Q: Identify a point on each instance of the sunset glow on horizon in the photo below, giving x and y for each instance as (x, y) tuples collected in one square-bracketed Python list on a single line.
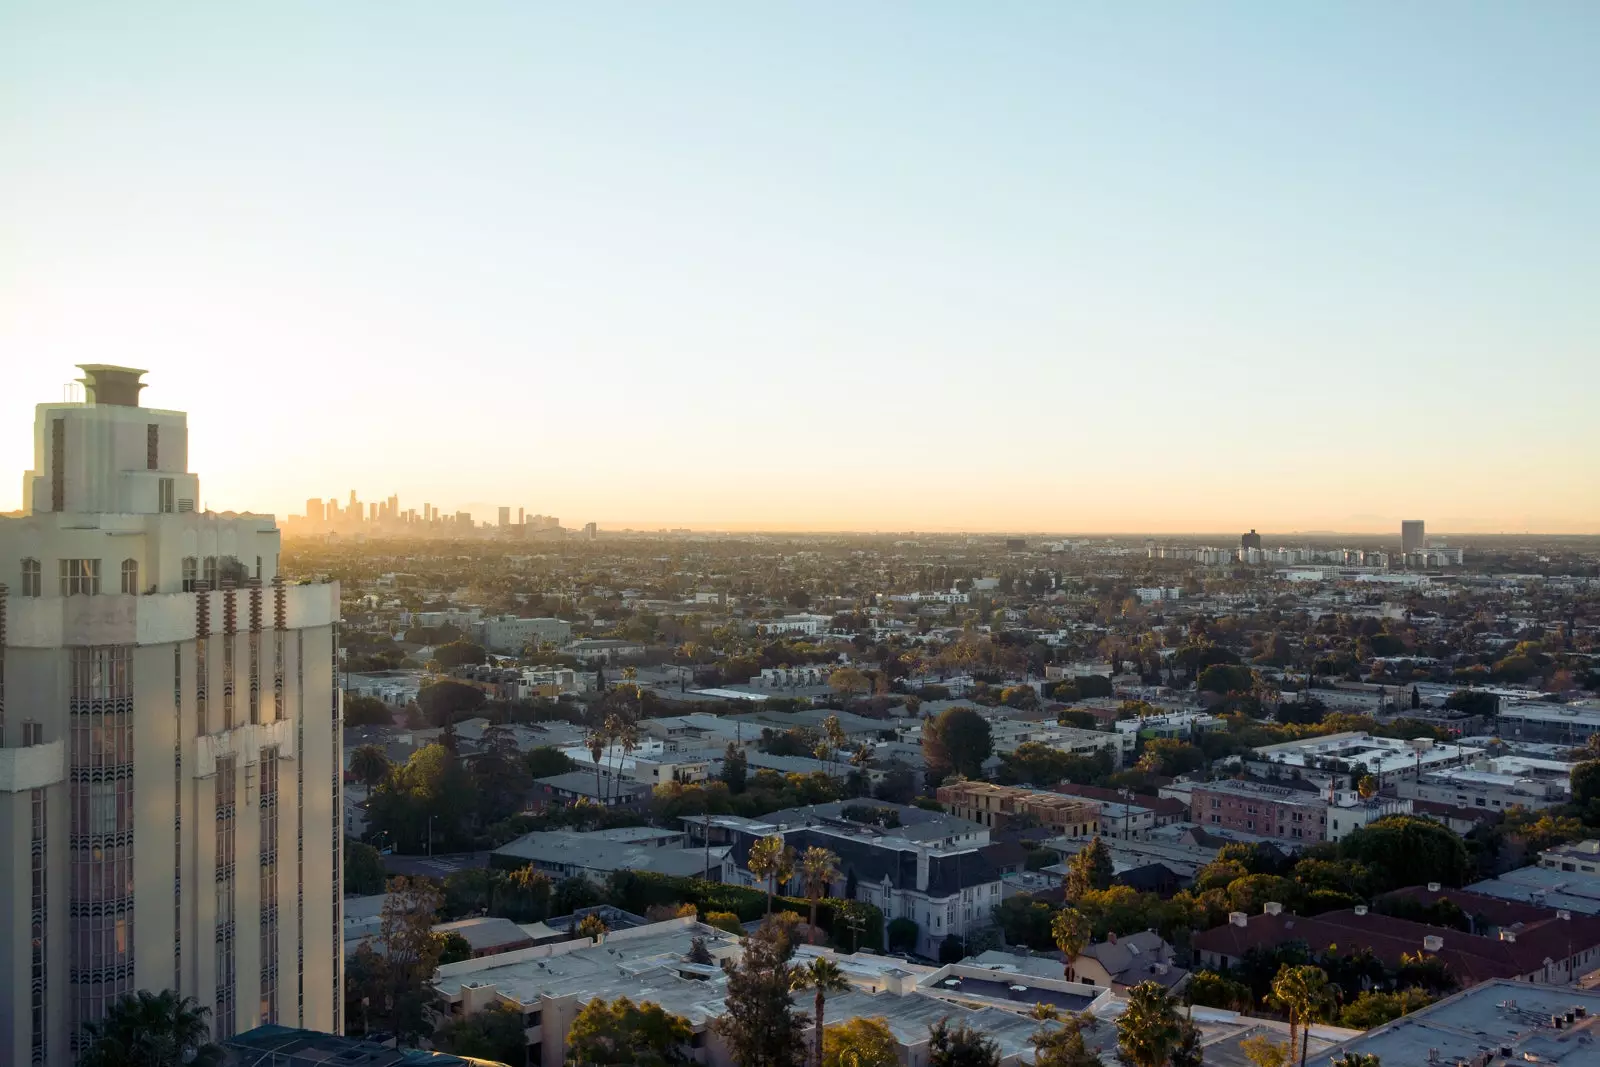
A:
[(930, 267)]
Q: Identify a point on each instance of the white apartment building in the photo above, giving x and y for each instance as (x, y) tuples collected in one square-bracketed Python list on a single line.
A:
[(169, 743), (507, 634), (804, 623)]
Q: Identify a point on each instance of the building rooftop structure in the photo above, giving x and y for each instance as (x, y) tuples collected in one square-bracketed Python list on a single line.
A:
[(1568, 890), (1382, 756), (1494, 1024), (570, 853)]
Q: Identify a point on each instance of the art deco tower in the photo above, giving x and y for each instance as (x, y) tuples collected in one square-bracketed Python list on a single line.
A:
[(169, 742)]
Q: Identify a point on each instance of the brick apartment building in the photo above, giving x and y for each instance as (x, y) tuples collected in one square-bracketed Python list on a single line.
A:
[(1257, 808)]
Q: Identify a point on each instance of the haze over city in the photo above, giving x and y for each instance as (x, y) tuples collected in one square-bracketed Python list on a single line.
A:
[(826, 267)]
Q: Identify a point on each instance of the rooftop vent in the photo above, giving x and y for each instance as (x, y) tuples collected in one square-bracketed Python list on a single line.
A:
[(1272, 907), (1433, 943), (1361, 909), (1238, 918), (1433, 887), (104, 384)]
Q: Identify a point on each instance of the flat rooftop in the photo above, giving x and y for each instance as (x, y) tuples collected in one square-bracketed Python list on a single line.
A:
[(1493, 1016)]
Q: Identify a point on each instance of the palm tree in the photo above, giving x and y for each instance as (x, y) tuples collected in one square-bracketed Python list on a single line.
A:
[(1070, 930), (596, 743), (1149, 1029), (764, 859), (824, 977), (819, 868), (370, 764), (146, 1029), (1302, 992)]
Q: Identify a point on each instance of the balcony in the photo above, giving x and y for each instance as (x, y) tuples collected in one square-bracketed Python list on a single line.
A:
[(33, 767)]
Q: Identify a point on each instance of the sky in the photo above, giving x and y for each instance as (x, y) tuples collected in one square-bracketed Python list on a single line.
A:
[(898, 266)]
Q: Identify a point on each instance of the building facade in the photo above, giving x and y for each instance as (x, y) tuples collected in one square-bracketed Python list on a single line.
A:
[(1266, 810), (169, 743)]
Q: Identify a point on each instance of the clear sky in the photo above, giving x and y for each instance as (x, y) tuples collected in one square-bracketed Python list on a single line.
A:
[(1025, 266)]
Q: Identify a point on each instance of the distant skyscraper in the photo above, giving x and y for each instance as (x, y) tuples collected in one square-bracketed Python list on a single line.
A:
[(590, 530), (1250, 540), (1412, 536), (314, 509), (505, 517), (169, 743)]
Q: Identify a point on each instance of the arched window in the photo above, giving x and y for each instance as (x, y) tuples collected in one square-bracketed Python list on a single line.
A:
[(130, 576), (191, 568), (32, 578)]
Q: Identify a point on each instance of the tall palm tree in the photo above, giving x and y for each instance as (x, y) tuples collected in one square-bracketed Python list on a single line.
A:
[(595, 741), (819, 868), (370, 764), (1149, 1029), (766, 859), (146, 1029), (822, 977), (1302, 992), (1070, 931)]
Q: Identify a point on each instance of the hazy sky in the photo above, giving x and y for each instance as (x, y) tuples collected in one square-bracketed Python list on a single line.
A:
[(1066, 266)]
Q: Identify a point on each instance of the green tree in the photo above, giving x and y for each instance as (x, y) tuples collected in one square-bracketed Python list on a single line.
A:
[(1303, 993), (902, 934), (522, 895), (819, 869), (735, 768), (1063, 1046), (623, 1033), (370, 764), (146, 1029), (494, 1033), (363, 869), (1188, 1051), (1149, 1029), (1409, 849), (456, 948), (960, 1046), (1262, 1051), (366, 711), (459, 654), (593, 926), (957, 742), (1070, 931), (822, 977), (446, 701), (394, 982), (1211, 990), (547, 761), (1376, 1007), (1585, 780), (1089, 869), (860, 1042), (759, 1024)]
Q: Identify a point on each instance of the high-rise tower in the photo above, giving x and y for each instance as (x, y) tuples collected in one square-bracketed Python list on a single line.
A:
[(169, 742), (1413, 536)]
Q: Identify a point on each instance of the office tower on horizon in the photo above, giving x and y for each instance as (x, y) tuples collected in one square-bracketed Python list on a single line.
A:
[(1413, 536), (169, 743)]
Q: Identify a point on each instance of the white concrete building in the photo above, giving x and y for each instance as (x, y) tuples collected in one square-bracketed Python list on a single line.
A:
[(796, 624), (211, 863), (508, 634)]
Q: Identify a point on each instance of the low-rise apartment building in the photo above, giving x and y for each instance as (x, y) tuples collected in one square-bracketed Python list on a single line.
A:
[(1269, 810)]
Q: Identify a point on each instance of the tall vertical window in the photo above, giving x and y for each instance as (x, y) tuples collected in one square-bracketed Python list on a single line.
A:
[(100, 815), (223, 1012), (152, 447), (211, 572), (191, 573), (130, 576), (269, 885), (177, 817), (32, 578), (38, 916), (258, 568), (167, 495), (58, 465), (80, 576)]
